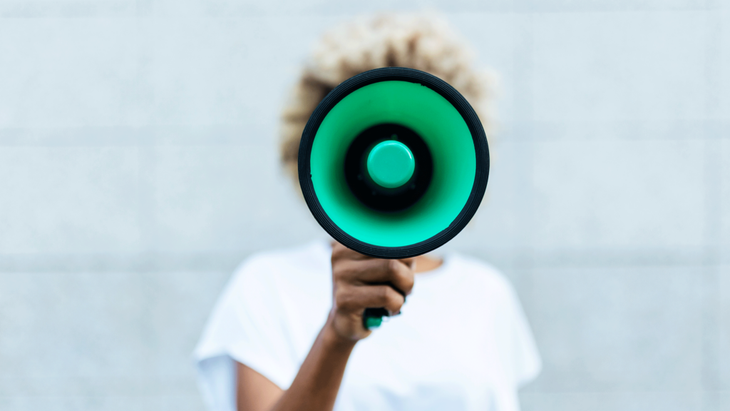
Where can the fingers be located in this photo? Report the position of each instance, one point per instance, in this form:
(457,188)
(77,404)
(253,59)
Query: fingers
(376,271)
(356,298)
(355,268)
(361,282)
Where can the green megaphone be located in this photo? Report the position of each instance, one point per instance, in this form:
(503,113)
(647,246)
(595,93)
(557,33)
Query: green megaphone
(393,163)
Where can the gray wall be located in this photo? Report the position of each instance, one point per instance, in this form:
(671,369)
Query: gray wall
(138,166)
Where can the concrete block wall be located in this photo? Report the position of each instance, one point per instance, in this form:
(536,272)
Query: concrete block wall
(138,167)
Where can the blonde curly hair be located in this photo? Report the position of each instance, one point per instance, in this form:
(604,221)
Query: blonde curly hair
(420,41)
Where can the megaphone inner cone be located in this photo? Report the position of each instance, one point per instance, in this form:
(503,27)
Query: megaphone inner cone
(388,167)
(439,128)
(391,164)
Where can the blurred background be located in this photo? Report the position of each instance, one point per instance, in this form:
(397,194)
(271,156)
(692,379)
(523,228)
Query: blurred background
(138,167)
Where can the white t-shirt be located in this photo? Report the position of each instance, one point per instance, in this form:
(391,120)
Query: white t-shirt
(461,342)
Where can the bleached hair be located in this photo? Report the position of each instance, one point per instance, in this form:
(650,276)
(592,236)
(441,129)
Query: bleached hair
(421,41)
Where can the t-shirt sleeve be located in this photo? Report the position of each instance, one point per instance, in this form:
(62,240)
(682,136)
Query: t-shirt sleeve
(518,357)
(247,325)
(524,357)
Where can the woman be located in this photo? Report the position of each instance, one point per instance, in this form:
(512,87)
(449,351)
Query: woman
(287,333)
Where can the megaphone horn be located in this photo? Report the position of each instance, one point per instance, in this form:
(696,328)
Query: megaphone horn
(393,162)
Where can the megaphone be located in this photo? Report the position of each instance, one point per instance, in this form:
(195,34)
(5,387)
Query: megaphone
(393,162)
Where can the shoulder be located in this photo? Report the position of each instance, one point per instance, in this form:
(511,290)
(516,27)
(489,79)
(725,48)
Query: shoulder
(275,271)
(259,320)
(307,258)
(482,271)
(484,278)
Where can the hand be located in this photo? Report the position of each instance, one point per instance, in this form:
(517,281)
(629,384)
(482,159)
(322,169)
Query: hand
(361,282)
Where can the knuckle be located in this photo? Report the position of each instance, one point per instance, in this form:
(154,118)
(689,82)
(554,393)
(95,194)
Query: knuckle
(409,282)
(394,297)
(395,304)
(383,294)
(343,300)
(338,251)
(338,271)
(342,272)
(395,308)
(338,277)
(405,279)
(389,297)
(340,299)
(393,266)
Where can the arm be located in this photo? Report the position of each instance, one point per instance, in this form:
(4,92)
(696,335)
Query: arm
(358,283)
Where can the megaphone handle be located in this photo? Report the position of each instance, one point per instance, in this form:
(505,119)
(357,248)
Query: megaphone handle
(373,317)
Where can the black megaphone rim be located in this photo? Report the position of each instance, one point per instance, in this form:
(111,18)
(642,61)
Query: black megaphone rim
(481,149)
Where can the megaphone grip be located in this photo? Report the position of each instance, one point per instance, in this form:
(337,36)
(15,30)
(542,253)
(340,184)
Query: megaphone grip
(373,317)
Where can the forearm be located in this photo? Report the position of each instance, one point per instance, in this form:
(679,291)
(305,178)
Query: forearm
(318,381)
(358,282)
